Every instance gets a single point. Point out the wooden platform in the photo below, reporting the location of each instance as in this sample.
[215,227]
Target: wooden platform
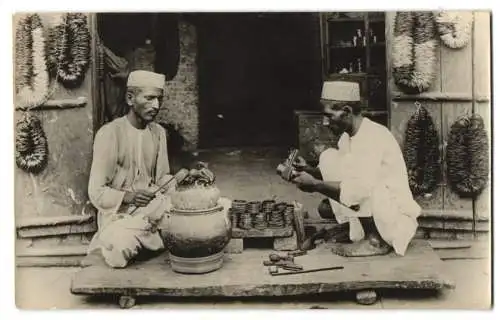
[245,275]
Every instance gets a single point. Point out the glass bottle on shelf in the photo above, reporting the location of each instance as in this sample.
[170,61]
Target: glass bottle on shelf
[359,36]
[359,66]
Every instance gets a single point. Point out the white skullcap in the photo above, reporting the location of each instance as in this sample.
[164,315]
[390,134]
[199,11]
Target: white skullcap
[141,78]
[340,91]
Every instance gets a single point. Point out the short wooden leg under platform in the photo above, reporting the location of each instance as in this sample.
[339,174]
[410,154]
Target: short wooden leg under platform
[126,302]
[366,297]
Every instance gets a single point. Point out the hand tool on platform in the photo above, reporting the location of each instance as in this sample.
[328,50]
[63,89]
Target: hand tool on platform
[179,176]
[276,273]
[273,270]
[285,170]
[277,256]
[281,261]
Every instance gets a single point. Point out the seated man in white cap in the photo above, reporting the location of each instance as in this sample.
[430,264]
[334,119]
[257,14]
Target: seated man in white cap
[366,172]
[130,162]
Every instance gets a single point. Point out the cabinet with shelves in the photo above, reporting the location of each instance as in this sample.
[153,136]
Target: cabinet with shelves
[354,49]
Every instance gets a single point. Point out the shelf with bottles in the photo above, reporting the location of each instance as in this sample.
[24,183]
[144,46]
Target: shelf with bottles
[344,45]
[353,75]
[355,37]
[354,49]
[348,45]
[342,35]
[348,65]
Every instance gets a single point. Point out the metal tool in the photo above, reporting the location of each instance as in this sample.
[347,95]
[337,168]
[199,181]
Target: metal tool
[307,271]
[273,270]
[284,265]
[179,176]
[280,256]
[283,261]
[285,170]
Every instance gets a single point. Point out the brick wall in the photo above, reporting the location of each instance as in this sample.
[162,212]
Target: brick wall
[180,107]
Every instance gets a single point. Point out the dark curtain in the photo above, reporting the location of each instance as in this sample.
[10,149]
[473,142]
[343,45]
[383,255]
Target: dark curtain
[122,33]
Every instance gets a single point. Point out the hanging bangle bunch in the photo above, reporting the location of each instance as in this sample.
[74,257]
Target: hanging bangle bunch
[467,156]
[32,90]
[31,144]
[32,77]
[455,28]
[421,152]
[72,50]
[55,37]
[414,58]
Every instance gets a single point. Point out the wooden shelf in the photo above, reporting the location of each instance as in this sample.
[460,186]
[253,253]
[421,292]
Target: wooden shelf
[372,45]
[439,96]
[352,74]
[347,47]
[59,104]
[53,221]
[364,112]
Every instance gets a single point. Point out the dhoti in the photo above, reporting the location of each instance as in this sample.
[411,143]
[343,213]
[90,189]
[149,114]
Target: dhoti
[122,236]
[394,225]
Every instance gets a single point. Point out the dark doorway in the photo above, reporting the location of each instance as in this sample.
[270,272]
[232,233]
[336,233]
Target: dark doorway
[254,71]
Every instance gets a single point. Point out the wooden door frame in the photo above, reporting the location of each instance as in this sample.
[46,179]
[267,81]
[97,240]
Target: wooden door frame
[97,107]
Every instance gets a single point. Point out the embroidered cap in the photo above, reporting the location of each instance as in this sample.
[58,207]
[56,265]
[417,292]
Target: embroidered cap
[142,78]
[340,91]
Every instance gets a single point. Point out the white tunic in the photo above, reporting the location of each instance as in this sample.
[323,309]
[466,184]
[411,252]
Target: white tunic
[372,174]
[127,159]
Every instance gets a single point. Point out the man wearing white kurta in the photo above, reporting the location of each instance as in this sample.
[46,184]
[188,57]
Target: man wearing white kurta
[130,162]
[366,172]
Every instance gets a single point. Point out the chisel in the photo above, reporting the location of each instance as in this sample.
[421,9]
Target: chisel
[179,176]
[307,271]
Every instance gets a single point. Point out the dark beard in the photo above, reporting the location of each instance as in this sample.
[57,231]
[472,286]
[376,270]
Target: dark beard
[337,129]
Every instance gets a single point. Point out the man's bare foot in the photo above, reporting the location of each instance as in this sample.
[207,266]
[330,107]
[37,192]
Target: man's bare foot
[363,248]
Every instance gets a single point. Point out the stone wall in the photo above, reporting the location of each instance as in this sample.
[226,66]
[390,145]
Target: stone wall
[179,112]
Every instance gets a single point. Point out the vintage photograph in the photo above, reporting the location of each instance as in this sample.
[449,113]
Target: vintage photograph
[270,160]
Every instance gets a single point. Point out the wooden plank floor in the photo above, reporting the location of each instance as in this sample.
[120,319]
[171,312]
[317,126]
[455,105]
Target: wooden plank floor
[245,275]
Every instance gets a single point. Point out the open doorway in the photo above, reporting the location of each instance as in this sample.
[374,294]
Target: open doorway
[254,71]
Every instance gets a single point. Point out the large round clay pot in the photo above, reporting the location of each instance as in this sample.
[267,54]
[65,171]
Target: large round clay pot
[196,239]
